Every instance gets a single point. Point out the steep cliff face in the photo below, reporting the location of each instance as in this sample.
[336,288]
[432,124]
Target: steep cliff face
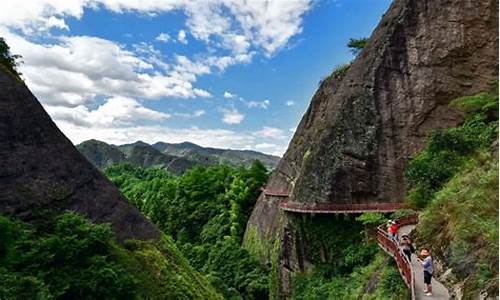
[361,127]
[40,168]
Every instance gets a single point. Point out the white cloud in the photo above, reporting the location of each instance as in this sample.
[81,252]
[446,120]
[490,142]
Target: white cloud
[83,67]
[39,15]
[258,104]
[68,73]
[199,113]
[265,146]
[270,24]
[266,24]
[232,116]
[76,69]
[117,111]
[222,62]
[195,114]
[53,22]
[229,95]
[290,103]
[163,37]
[181,37]
[237,25]
[270,132]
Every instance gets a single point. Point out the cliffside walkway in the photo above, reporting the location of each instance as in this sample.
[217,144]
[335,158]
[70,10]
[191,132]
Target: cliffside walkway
[336,208]
[411,272]
[330,208]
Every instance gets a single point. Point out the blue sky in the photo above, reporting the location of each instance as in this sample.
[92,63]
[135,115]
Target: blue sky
[221,73]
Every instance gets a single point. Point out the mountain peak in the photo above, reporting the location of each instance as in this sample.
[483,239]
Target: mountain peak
[138,143]
[41,168]
[175,158]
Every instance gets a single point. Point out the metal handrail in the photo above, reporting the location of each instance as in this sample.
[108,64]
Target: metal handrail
[391,247]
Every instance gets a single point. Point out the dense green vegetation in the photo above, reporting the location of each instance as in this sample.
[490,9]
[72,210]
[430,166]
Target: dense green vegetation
[205,211]
[378,279]
[449,150]
[455,183]
[7,59]
[348,264]
[68,257]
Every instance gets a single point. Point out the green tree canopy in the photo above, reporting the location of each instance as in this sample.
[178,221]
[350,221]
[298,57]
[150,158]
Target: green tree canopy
[206,211]
[356,45]
[7,59]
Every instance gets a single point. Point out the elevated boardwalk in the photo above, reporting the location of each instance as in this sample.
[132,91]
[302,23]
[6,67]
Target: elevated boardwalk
[329,208]
[411,271]
[336,208]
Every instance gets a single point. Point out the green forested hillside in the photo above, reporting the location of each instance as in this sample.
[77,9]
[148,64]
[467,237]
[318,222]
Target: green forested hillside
[347,261]
[205,211]
[455,183]
[68,257]
[175,158]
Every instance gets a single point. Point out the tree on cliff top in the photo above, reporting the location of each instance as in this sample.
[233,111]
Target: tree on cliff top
[7,59]
[356,45]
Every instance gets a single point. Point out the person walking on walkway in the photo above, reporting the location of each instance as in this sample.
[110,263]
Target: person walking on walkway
[407,246]
[428,270]
[393,230]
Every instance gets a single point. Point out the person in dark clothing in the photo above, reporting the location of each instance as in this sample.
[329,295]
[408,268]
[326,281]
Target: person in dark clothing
[407,246]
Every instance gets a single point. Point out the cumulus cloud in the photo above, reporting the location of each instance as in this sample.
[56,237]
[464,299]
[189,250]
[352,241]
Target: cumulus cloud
[69,73]
[163,37]
[116,111]
[265,146]
[76,69]
[258,104]
[199,113]
[39,15]
[232,116]
[270,23]
[229,95]
[290,103]
[233,24]
[196,114]
[90,66]
[270,132]
[181,37]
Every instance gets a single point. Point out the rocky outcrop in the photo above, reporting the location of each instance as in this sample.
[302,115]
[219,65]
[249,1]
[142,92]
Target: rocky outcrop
[40,168]
[361,127]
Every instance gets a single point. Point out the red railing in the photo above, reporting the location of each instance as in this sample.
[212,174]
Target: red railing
[392,248]
[328,208]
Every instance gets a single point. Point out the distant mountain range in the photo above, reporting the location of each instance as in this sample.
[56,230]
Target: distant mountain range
[175,158]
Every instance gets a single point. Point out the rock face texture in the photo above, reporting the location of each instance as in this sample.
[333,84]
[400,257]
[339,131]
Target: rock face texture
[354,141]
[40,168]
